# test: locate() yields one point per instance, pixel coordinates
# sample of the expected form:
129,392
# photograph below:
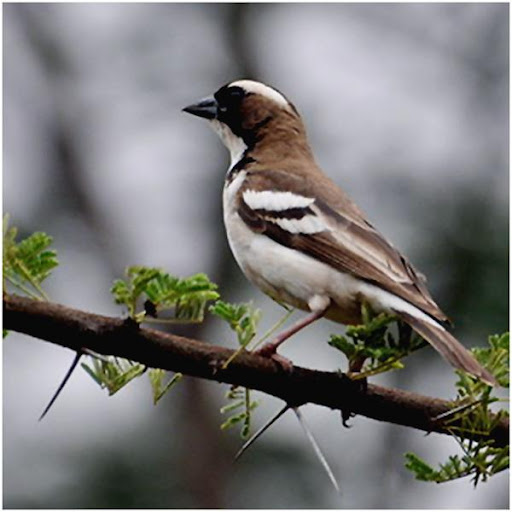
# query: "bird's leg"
270,348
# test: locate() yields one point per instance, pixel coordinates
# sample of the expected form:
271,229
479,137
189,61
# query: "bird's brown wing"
348,243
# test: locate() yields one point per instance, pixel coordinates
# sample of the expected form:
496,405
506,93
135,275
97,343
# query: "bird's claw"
269,352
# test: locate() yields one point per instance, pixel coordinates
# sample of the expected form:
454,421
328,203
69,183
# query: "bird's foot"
269,350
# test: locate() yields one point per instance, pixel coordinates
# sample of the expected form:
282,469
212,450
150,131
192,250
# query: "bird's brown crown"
254,111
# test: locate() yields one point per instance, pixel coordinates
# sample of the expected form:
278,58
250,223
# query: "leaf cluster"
241,318
376,345
479,464
160,291
186,299
472,414
114,373
239,407
158,386
27,263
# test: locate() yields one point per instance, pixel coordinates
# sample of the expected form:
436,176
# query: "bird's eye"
229,96
235,92
229,100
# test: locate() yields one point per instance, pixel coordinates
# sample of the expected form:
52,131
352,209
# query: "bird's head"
246,113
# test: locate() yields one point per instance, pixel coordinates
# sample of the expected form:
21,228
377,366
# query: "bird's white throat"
236,146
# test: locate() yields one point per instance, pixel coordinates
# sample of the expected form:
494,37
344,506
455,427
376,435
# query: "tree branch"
77,329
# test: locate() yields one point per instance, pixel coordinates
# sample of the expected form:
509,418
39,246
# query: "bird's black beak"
206,108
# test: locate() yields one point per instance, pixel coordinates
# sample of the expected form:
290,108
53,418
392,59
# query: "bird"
300,238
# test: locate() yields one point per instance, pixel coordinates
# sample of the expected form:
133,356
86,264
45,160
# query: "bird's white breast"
283,273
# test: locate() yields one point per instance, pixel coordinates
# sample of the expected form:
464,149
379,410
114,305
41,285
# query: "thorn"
62,384
261,431
317,450
455,410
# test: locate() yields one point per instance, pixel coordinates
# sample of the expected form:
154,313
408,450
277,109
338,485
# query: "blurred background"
407,108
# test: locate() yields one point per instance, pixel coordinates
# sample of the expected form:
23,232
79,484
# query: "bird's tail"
451,349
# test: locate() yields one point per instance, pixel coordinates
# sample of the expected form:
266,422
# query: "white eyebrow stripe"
275,201
308,225
263,90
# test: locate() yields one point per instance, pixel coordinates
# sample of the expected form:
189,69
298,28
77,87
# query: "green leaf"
496,357
472,413
242,318
233,420
479,463
239,398
113,374
377,345
93,373
420,468
124,377
121,292
156,377
232,406
185,299
26,264
341,343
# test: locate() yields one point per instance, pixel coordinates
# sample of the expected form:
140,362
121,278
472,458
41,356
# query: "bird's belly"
290,276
